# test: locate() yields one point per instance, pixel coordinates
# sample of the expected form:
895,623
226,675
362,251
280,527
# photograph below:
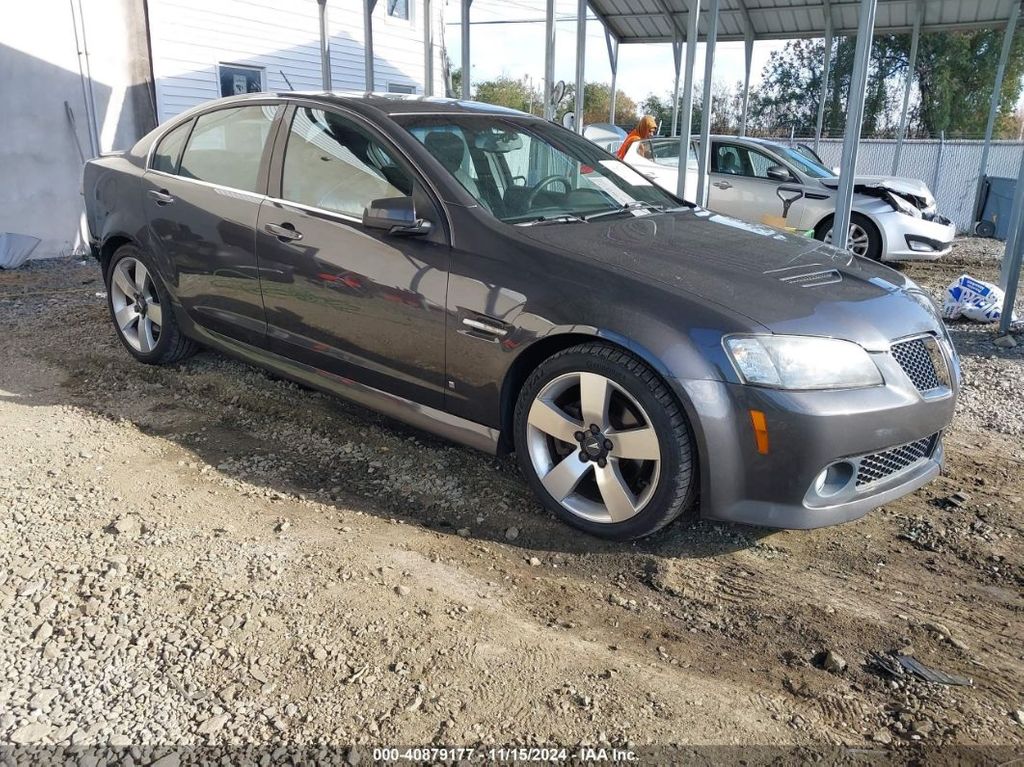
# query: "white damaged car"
894,219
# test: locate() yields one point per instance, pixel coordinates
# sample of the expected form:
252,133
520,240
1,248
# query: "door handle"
162,196
284,232
722,185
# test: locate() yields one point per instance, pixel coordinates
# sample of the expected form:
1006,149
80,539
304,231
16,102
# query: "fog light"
833,479
920,246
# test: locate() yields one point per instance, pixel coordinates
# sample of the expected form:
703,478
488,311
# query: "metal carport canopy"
670,21
659,21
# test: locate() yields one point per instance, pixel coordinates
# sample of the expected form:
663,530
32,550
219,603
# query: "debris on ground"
206,616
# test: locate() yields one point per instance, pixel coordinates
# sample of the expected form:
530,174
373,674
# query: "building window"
401,88
236,80
398,9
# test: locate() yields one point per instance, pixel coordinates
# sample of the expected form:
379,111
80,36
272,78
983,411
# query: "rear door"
202,194
357,302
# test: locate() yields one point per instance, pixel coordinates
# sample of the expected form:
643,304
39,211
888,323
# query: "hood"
913,189
785,283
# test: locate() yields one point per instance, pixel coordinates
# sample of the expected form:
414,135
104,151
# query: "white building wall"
190,38
46,83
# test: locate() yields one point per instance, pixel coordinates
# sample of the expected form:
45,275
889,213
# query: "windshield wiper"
625,208
565,218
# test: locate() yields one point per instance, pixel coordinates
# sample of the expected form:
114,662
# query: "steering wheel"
536,189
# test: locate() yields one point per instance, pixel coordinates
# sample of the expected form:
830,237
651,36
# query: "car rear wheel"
604,444
140,308
864,240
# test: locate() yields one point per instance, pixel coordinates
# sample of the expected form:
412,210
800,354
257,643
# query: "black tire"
171,344
675,488
874,250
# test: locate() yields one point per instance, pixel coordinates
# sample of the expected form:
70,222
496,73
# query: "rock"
43,698
534,562
319,653
44,632
213,724
833,663
1005,342
127,527
31,733
402,591
512,533
882,736
1018,715
463,532
921,727
282,526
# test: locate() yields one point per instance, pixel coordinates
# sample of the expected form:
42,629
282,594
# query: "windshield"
806,165
528,171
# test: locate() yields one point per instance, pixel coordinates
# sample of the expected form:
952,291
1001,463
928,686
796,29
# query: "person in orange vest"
643,130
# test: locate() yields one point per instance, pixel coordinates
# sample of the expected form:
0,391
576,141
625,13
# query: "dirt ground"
204,554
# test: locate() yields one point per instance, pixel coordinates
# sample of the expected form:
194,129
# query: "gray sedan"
499,280
894,219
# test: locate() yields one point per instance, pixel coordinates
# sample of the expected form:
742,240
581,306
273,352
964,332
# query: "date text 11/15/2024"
503,754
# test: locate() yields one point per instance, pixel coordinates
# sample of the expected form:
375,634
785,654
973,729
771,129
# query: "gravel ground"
202,554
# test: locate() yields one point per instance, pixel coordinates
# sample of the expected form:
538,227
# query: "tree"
954,71
724,114
508,92
597,104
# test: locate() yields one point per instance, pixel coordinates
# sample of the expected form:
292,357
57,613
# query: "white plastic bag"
973,299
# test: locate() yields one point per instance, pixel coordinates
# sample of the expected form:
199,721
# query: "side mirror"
778,173
396,214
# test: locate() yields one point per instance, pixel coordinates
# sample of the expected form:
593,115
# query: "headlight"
903,206
801,362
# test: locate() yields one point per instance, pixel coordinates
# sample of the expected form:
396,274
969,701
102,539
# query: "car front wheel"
864,240
604,444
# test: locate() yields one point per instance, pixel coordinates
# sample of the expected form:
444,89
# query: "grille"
888,462
918,363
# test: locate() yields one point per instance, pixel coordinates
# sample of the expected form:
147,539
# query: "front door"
354,301
740,185
202,209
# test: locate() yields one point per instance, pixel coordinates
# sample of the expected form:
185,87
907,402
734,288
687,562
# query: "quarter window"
227,145
332,164
165,158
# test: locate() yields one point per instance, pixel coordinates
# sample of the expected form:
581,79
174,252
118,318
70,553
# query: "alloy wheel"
858,241
593,447
137,310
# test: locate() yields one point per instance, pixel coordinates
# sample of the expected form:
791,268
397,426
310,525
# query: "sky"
517,50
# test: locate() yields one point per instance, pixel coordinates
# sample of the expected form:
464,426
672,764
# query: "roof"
660,21
400,103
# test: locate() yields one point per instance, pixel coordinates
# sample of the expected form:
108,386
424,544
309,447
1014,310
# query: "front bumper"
807,432
916,239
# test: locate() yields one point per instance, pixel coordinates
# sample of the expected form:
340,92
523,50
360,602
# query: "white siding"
191,37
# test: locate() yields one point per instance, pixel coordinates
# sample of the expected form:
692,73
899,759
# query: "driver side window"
333,164
740,161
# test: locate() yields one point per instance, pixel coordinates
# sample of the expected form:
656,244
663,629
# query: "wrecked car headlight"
801,362
903,206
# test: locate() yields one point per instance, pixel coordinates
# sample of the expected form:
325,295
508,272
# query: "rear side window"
165,158
226,146
332,164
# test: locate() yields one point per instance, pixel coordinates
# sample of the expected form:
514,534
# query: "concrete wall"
40,70
190,38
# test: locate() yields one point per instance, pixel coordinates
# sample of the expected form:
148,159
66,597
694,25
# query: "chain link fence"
949,167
